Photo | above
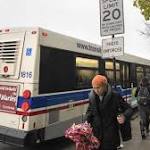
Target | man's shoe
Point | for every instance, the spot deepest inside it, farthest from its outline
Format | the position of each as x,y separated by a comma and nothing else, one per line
120,146
147,132
143,136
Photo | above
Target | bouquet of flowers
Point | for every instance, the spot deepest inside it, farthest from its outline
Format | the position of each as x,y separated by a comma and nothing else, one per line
83,136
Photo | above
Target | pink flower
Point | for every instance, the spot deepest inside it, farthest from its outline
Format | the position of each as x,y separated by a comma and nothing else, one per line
83,136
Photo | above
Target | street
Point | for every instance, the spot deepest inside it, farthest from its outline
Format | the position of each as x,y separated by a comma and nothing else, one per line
57,144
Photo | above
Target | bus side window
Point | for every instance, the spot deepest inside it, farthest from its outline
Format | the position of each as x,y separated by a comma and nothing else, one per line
86,69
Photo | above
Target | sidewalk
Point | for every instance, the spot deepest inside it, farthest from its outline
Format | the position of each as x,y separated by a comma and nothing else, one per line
137,143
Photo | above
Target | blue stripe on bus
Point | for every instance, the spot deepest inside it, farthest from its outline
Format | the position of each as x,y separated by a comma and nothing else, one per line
123,92
44,101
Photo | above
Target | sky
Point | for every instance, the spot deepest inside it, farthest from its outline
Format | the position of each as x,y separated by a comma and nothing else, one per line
76,18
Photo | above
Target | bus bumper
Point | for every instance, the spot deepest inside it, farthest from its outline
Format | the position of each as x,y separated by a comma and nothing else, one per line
12,136
19,137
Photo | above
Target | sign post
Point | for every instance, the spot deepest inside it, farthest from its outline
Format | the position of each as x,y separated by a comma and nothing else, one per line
114,65
111,17
111,23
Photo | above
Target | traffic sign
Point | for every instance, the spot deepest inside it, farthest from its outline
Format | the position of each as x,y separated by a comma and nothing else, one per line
113,47
111,16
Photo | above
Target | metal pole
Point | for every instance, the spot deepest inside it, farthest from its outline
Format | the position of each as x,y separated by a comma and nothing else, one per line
114,66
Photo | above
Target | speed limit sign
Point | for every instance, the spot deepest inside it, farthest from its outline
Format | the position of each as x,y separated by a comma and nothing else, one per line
111,16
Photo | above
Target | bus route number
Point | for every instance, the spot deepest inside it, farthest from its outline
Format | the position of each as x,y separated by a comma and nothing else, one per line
25,74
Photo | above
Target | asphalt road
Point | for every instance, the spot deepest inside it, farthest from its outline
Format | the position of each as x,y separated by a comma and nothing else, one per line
57,144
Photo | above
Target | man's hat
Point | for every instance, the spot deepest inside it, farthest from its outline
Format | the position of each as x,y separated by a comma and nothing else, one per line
99,80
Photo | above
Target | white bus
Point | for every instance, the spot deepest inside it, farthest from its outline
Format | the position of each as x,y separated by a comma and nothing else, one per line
45,78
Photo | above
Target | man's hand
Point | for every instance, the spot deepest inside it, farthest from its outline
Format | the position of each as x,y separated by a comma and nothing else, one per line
121,119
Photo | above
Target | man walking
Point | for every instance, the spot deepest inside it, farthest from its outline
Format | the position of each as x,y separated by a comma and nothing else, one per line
143,94
105,112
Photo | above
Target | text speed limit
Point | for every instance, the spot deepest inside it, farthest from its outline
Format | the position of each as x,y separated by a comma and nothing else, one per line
111,17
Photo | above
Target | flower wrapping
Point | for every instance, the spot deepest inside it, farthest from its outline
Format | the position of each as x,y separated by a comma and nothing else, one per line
83,136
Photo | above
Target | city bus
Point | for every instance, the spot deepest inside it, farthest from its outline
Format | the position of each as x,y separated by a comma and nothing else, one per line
45,79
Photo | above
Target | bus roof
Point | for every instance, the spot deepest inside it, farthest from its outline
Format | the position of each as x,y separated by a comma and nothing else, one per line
57,40
133,59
